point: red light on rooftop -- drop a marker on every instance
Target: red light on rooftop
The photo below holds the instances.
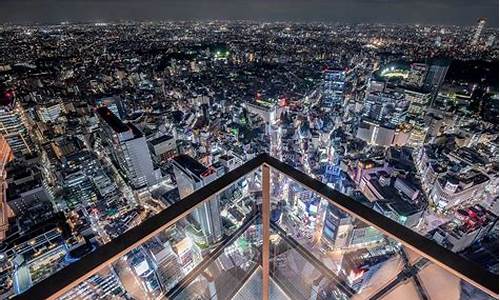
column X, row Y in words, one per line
column 470, row 223
column 7, row 98
column 472, row 213
column 209, row 171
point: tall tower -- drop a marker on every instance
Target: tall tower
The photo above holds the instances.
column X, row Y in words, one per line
column 479, row 29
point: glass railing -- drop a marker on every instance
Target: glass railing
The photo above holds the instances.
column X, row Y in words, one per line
column 323, row 252
column 265, row 230
column 226, row 272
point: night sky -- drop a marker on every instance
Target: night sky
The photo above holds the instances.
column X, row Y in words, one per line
column 459, row 12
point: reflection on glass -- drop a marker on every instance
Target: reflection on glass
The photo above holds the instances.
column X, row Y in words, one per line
column 317, row 251
column 158, row 266
column 354, row 260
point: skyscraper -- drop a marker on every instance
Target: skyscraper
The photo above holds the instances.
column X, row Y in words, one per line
column 128, row 149
column 12, row 125
column 435, row 77
column 437, row 73
column 479, row 29
column 190, row 176
column 334, row 82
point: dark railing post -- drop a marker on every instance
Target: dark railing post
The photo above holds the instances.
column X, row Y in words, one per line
column 266, row 207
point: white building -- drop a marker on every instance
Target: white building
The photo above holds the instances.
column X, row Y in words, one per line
column 451, row 191
column 190, row 176
column 129, row 149
column 267, row 112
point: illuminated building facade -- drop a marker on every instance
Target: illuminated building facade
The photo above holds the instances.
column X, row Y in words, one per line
column 129, row 150
column 5, row 212
column 12, row 125
column 471, row 224
column 334, row 82
column 449, row 191
column 419, row 100
column 190, row 176
column 479, row 29
column 337, row 227
column 50, row 112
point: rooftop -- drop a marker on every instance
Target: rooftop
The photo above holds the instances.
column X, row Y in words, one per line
column 190, row 164
column 161, row 139
column 112, row 120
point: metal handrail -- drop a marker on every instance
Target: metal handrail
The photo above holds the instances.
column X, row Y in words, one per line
column 62, row 281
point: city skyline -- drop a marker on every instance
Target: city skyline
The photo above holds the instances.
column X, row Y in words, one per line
column 425, row 12
column 241, row 160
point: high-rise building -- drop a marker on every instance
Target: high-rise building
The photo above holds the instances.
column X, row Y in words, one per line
column 114, row 104
column 169, row 269
column 128, row 149
column 436, row 75
column 78, row 189
column 79, row 171
column 5, row 156
column 36, row 256
column 375, row 133
column 163, row 147
column 417, row 73
column 479, row 29
column 468, row 226
column 26, row 189
column 492, row 41
column 190, row 176
column 434, row 79
column 437, row 41
column 382, row 106
column 266, row 110
column 12, row 125
column 334, row 82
